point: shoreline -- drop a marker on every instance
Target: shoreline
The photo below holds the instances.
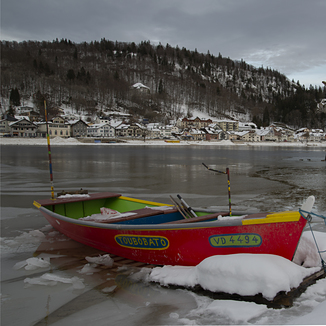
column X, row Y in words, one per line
column 58, row 141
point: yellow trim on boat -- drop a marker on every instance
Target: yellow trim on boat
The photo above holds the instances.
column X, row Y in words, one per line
column 38, row 205
column 287, row 216
column 143, row 201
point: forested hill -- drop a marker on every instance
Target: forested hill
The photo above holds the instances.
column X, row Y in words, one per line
column 99, row 76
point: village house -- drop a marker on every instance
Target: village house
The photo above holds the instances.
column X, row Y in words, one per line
column 131, row 130
column 169, row 131
column 246, row 126
column 102, row 119
column 192, row 134
column 4, row 124
column 250, row 136
column 136, row 130
column 153, row 130
column 228, row 125
column 316, row 135
column 78, row 128
column 23, row 128
column 194, row 123
column 266, row 134
column 59, row 127
column 23, row 109
column 213, row 133
column 122, row 130
column 31, row 115
column 101, row 130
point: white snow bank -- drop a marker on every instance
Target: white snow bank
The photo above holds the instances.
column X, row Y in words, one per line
column 52, row 280
column 307, row 254
column 237, row 312
column 243, row 274
column 316, row 317
column 226, row 312
column 248, row 274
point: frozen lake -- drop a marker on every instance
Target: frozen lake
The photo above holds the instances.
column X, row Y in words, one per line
column 262, row 178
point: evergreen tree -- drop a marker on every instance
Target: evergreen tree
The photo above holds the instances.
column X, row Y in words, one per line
column 14, row 97
column 71, row 75
column 160, row 87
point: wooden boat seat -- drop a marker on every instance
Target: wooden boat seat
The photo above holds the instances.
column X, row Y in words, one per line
column 139, row 213
column 64, row 200
column 199, row 218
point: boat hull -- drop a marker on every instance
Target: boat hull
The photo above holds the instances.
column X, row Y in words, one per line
column 182, row 244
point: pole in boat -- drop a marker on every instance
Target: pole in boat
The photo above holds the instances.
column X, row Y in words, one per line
column 49, row 149
column 227, row 172
column 229, row 190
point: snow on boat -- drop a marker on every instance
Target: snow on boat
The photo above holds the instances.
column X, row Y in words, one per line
column 159, row 234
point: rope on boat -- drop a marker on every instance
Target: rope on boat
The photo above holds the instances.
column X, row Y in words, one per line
column 309, row 219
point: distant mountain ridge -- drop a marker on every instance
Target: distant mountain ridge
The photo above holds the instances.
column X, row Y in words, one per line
column 99, row 76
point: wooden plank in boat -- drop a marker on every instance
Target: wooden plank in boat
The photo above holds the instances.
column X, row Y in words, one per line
column 139, row 213
column 198, row 218
column 256, row 215
column 56, row 201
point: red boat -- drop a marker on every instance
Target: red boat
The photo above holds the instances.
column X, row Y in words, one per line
column 163, row 234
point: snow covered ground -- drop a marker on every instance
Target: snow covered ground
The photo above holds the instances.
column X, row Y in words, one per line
column 74, row 141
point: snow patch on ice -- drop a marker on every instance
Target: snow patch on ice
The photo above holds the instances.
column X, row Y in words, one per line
column 93, row 262
column 53, row 279
column 32, row 264
column 105, row 260
column 89, row 269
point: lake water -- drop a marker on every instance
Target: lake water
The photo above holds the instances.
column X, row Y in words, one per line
column 262, row 179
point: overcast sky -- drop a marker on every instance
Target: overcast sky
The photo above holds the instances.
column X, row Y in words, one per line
column 285, row 35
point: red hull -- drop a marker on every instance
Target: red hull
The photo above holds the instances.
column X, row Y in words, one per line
column 188, row 245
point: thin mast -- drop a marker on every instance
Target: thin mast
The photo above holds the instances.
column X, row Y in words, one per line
column 49, row 149
column 227, row 172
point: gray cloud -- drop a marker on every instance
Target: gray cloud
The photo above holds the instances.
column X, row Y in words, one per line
column 285, row 35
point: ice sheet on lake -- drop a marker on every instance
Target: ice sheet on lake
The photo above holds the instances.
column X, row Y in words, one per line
column 22, row 243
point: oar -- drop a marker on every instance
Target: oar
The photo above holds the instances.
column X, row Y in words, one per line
column 188, row 208
column 227, row 172
column 179, row 208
